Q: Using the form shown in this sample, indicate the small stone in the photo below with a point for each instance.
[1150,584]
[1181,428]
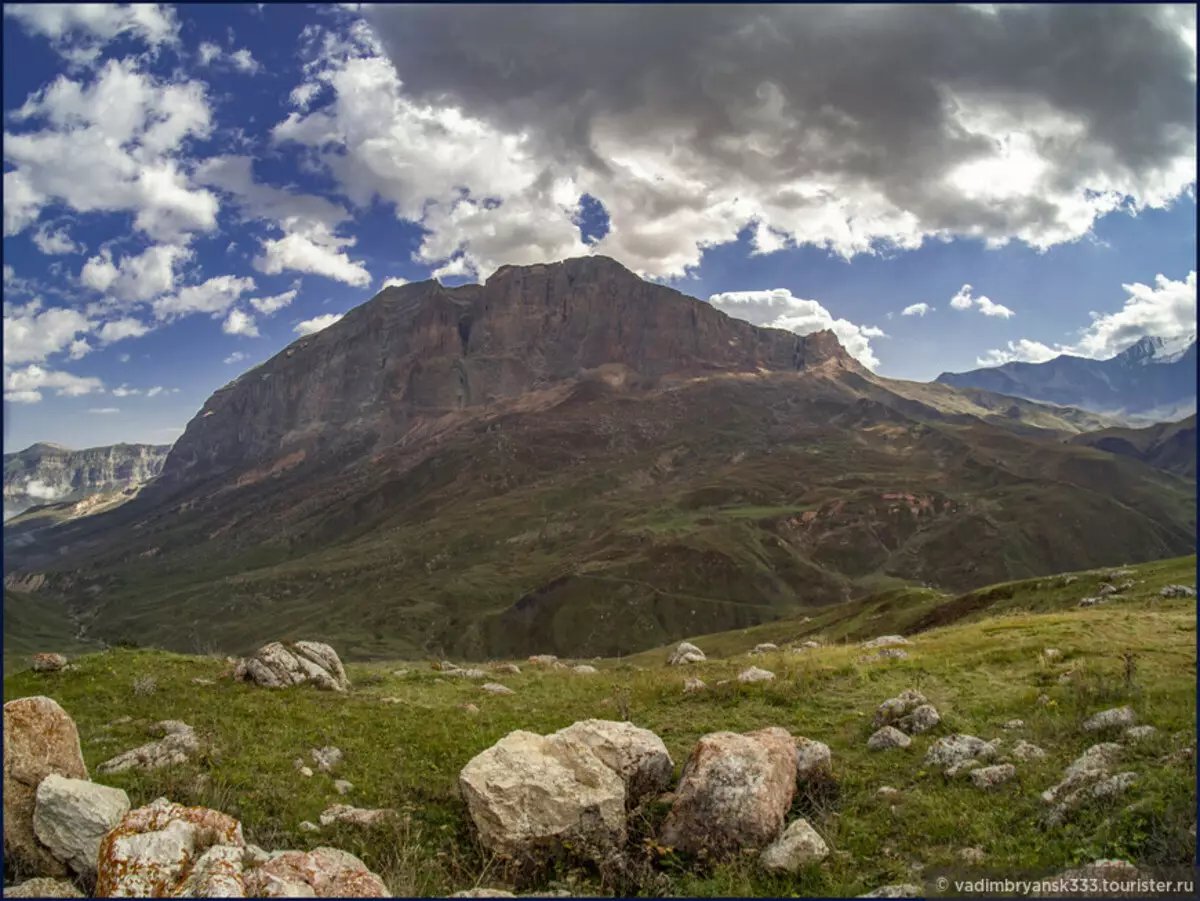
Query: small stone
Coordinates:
[1178,591]
[1110,719]
[885,654]
[765,648]
[48,663]
[888,737]
[888,792]
[355,816]
[1024,750]
[496,688]
[754,674]
[972,856]
[509,668]
[692,684]
[814,760]
[200,680]
[306,772]
[328,758]
[1043,700]
[584,670]
[885,641]
[958,748]
[799,846]
[483,893]
[991,776]
[1091,602]
[306,826]
[343,786]
[1051,654]
[903,890]
[43,887]
[1014,724]
[920,720]
[469,708]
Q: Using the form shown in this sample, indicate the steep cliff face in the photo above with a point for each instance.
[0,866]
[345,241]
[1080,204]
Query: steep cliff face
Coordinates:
[50,473]
[422,351]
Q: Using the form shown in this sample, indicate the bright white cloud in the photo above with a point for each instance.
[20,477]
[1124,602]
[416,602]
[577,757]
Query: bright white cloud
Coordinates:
[79,30]
[989,308]
[240,323]
[32,333]
[79,349]
[396,282]
[54,243]
[214,297]
[26,385]
[135,278]
[156,391]
[125,391]
[916,309]
[1021,351]
[41,491]
[317,323]
[780,309]
[268,306]
[236,357]
[120,329]
[242,60]
[323,256]
[964,300]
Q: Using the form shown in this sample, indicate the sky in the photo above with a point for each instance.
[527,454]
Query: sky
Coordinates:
[189,189]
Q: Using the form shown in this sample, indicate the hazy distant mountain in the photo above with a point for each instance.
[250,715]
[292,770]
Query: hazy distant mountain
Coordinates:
[1154,379]
[1167,445]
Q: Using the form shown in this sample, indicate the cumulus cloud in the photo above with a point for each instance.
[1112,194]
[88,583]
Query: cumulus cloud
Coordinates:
[1167,310]
[241,60]
[240,323]
[120,329]
[79,30]
[916,309]
[780,309]
[268,306]
[964,300]
[236,357]
[395,282]
[844,127]
[32,333]
[39,490]
[54,243]
[214,297]
[125,391]
[135,278]
[321,255]
[110,145]
[25,386]
[316,324]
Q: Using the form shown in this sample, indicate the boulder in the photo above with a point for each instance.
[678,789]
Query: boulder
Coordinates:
[885,641]
[70,817]
[799,846]
[43,887]
[177,746]
[754,674]
[991,776]
[920,720]
[496,688]
[356,816]
[685,653]
[809,645]
[320,873]
[1092,785]
[765,648]
[886,738]
[531,792]
[1024,750]
[637,755]
[328,758]
[343,786]
[958,748]
[40,739]
[158,848]
[893,709]
[734,793]
[1118,717]
[814,760]
[280,664]
[691,684]
[1178,591]
[471,673]
[48,663]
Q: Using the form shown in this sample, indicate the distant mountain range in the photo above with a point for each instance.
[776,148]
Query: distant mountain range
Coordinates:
[50,474]
[1154,380]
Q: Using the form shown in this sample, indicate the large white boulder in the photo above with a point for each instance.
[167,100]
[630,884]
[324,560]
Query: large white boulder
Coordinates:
[686,652]
[280,664]
[637,755]
[71,816]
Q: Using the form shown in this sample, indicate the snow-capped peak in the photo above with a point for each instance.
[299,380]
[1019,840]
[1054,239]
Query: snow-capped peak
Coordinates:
[1158,350]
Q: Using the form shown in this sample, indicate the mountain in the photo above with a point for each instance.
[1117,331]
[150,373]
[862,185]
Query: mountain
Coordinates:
[1170,446]
[1155,379]
[569,459]
[52,474]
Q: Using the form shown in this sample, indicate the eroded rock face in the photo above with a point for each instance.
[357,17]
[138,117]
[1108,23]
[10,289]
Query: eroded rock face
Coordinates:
[71,816]
[320,873]
[686,653]
[156,849]
[280,664]
[735,791]
[531,792]
[40,739]
[637,755]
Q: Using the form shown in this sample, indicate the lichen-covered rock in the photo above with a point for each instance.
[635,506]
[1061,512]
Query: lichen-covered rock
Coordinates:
[40,739]
[496,688]
[754,674]
[765,648]
[692,684]
[920,720]
[1178,591]
[71,816]
[328,758]
[1139,733]
[43,887]
[320,873]
[637,755]
[799,846]
[48,663]
[543,659]
[991,776]
[886,738]
[1024,750]
[1013,724]
[957,748]
[178,745]
[1116,718]
[156,849]
[531,792]
[814,760]
[893,709]
[686,653]
[885,641]
[885,654]
[356,816]
[734,793]
[343,786]
[280,664]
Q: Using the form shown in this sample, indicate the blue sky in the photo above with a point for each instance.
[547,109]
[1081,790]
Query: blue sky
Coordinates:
[189,189]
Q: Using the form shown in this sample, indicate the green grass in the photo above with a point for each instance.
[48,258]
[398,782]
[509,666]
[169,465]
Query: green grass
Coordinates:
[980,670]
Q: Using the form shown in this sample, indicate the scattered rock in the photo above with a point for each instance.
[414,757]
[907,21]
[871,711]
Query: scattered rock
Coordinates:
[885,654]
[177,746]
[1091,602]
[958,748]
[754,674]
[200,680]
[321,873]
[920,720]
[686,653]
[691,684]
[343,786]
[637,755]
[885,641]
[469,708]
[280,664]
[1069,580]
[810,644]
[888,792]
[1043,700]
[903,890]
[991,776]
[799,846]
[584,670]
[1024,750]
[355,816]
[1095,786]
[972,856]
[893,709]
[734,794]
[468,673]
[156,851]
[814,760]
[1112,870]
[510,668]
[391,700]
[888,737]
[496,688]
[306,826]
[1137,733]
[1014,724]
[70,817]
[328,758]
[543,659]
[1051,654]
[1107,590]
[48,663]
[529,791]
[1178,591]
[43,887]
[1110,719]
[40,739]
[119,721]
[765,648]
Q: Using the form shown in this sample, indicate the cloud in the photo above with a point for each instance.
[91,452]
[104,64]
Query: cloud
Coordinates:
[25,385]
[242,60]
[104,410]
[38,489]
[214,297]
[55,243]
[268,306]
[124,358]
[964,301]
[916,309]
[32,333]
[1166,310]
[395,282]
[155,391]
[779,309]
[120,329]
[111,145]
[845,127]
[316,324]
[322,256]
[79,30]
[240,323]
[79,349]
[236,357]
[125,391]
[135,278]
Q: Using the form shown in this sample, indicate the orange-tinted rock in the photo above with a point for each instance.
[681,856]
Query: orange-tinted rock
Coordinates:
[323,872]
